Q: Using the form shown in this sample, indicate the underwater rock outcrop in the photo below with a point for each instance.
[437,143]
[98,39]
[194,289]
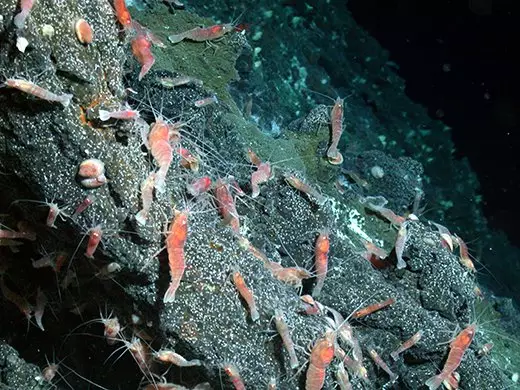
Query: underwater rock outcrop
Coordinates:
[97,262]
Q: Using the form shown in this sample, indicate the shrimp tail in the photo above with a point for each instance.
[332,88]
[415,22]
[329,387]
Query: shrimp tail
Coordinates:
[65,99]
[169,296]
[176,38]
[104,115]
[434,382]
[19,19]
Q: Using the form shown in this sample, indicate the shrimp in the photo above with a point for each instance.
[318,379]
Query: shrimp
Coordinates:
[41,301]
[202,34]
[342,377]
[321,356]
[122,14]
[402,237]
[458,347]
[147,187]
[175,242]
[283,331]
[298,184]
[172,82]
[188,160]
[246,294]
[39,92]
[372,308]
[381,364]
[25,10]
[407,344]
[141,48]
[167,356]
[94,238]
[54,211]
[333,155]
[321,259]
[261,175]
[206,101]
[199,186]
[234,376]
[92,173]
[226,205]
[162,152]
[83,205]
[23,305]
[28,235]
[105,115]
[464,255]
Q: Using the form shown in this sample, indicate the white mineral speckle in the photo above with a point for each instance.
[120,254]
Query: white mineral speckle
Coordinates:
[47,30]
[377,171]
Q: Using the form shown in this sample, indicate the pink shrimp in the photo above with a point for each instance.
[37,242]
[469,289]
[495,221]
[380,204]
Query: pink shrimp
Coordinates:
[202,34]
[234,376]
[333,155]
[92,173]
[205,101]
[321,356]
[261,175]
[458,347]
[402,237]
[246,294]
[226,205]
[310,306]
[175,242]
[342,377]
[141,48]
[28,235]
[23,305]
[321,259]
[162,152]
[147,187]
[298,184]
[39,92]
[167,356]
[25,10]
[94,238]
[188,160]
[407,345]
[41,301]
[199,186]
[85,203]
[105,115]
[381,364]
[290,275]
[283,331]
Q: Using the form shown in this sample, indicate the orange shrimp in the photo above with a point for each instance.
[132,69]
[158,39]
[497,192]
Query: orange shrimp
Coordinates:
[372,308]
[175,242]
[458,347]
[283,331]
[321,259]
[202,34]
[162,152]
[246,294]
[34,90]
[122,14]
[226,205]
[333,155]
[141,48]
[321,356]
